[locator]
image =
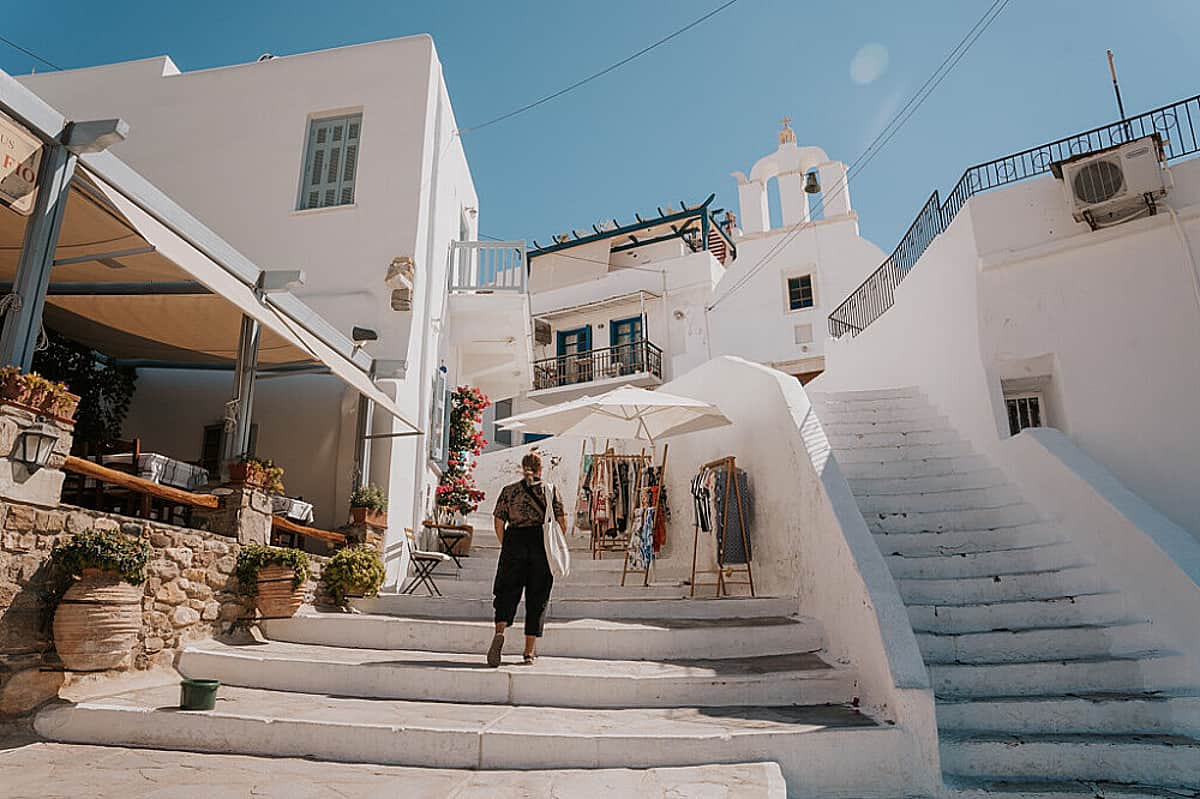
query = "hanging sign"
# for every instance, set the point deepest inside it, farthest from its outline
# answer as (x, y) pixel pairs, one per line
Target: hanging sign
(20, 157)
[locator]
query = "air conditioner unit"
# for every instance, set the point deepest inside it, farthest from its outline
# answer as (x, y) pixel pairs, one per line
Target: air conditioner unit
(1117, 184)
(541, 332)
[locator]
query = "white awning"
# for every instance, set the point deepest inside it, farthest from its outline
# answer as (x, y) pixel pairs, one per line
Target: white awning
(188, 327)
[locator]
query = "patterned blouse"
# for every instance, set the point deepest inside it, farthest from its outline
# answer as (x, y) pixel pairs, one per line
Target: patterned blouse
(519, 509)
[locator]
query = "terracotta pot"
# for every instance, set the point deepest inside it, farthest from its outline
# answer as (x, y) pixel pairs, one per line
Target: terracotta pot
(371, 518)
(13, 389)
(241, 474)
(97, 622)
(276, 597)
(64, 406)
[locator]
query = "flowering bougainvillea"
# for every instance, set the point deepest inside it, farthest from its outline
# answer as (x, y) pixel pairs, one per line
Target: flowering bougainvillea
(456, 491)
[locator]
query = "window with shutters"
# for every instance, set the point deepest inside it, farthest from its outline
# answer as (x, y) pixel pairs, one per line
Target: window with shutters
(330, 162)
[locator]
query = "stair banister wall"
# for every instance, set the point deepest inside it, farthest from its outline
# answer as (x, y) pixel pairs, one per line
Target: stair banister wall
(1152, 560)
(810, 541)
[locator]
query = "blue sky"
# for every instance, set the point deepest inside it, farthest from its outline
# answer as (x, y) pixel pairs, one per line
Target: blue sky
(672, 125)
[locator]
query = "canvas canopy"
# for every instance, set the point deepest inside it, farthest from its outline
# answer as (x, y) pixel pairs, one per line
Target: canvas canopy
(131, 287)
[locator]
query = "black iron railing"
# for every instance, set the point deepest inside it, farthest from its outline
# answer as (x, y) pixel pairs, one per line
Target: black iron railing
(1175, 123)
(623, 359)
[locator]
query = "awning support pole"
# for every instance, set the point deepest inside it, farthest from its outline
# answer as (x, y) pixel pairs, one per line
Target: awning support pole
(23, 319)
(237, 442)
(362, 441)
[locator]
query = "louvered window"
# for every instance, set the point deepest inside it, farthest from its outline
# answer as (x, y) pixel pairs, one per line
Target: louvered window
(330, 162)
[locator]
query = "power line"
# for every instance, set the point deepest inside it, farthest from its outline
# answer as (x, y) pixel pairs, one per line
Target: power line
(889, 131)
(601, 73)
(30, 53)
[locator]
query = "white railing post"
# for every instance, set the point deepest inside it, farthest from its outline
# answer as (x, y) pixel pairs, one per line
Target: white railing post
(488, 266)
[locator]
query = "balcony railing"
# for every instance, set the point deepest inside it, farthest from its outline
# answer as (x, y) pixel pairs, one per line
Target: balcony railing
(623, 359)
(484, 267)
(1175, 124)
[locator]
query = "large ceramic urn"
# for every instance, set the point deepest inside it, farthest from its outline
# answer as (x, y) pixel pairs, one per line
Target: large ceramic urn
(97, 622)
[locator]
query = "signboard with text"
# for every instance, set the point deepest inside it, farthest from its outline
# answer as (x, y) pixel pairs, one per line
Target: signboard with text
(20, 159)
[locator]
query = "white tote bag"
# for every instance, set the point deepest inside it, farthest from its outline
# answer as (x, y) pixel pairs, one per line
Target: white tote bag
(557, 554)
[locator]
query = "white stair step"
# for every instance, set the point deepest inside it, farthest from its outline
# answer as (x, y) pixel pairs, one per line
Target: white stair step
(929, 467)
(633, 589)
(1133, 714)
(861, 415)
(1089, 608)
(1046, 643)
(1125, 673)
(908, 486)
(903, 392)
(632, 608)
(961, 542)
(918, 521)
(1002, 588)
(958, 787)
(1164, 761)
(895, 438)
(799, 679)
(584, 638)
(986, 564)
(53, 769)
(823, 751)
(835, 404)
(929, 424)
(945, 500)
(903, 452)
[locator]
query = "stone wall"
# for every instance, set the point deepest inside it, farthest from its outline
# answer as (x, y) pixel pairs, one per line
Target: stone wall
(190, 593)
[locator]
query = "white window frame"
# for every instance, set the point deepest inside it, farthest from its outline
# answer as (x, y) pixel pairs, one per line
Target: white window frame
(787, 294)
(1016, 396)
(345, 181)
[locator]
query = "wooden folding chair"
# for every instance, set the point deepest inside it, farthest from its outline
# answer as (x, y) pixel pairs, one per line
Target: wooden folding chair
(128, 502)
(424, 563)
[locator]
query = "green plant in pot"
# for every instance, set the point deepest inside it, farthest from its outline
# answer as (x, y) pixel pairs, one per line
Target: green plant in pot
(353, 572)
(35, 392)
(368, 505)
(274, 576)
(99, 617)
(259, 473)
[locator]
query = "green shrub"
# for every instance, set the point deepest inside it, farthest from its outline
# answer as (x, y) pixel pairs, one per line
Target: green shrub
(109, 551)
(253, 557)
(353, 570)
(370, 497)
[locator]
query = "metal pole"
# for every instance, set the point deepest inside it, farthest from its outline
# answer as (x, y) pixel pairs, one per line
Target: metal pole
(1112, 70)
(237, 441)
(23, 320)
(362, 441)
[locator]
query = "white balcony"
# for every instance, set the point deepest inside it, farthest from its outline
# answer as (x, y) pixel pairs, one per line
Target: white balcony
(488, 316)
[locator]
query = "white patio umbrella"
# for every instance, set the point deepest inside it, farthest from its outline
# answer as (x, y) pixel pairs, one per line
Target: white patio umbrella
(626, 412)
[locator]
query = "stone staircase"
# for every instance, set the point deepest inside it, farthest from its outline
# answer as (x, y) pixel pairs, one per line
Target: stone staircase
(1045, 678)
(704, 698)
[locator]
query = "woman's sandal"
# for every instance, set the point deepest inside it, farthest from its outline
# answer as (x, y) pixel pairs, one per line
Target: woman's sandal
(493, 654)
(528, 660)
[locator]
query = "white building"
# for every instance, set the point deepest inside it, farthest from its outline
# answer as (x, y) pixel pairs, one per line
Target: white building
(345, 164)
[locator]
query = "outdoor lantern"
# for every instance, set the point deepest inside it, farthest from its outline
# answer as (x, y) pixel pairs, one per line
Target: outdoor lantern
(35, 445)
(811, 186)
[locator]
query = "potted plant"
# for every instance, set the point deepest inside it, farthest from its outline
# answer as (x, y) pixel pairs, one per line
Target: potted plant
(353, 572)
(35, 392)
(257, 473)
(274, 576)
(368, 505)
(98, 619)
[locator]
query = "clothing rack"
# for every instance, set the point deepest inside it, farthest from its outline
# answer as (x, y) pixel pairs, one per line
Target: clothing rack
(600, 543)
(656, 508)
(729, 464)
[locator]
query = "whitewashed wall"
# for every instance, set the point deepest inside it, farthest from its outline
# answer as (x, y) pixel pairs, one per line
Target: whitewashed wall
(754, 322)
(1015, 288)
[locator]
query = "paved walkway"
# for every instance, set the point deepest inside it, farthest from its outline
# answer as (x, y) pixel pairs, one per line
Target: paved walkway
(41, 770)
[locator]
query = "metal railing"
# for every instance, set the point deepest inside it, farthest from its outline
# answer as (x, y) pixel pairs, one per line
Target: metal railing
(637, 357)
(1175, 123)
(488, 266)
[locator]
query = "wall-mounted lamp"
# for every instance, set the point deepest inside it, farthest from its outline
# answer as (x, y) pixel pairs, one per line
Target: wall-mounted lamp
(472, 211)
(679, 314)
(361, 335)
(35, 445)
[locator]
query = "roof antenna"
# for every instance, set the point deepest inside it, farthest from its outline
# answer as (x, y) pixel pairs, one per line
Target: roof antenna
(1112, 70)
